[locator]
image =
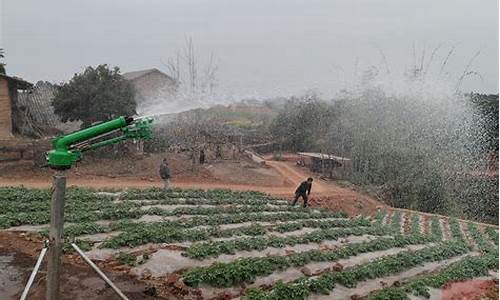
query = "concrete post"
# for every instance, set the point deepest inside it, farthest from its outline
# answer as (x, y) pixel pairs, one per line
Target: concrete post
(56, 237)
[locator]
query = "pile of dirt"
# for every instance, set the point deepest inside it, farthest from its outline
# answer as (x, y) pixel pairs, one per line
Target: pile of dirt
(471, 290)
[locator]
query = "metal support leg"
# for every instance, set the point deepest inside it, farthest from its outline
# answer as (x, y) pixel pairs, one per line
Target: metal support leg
(33, 273)
(99, 272)
(56, 237)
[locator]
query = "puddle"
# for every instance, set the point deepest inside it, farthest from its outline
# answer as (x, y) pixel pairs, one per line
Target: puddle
(10, 278)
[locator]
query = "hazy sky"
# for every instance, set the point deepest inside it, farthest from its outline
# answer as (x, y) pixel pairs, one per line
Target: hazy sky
(263, 47)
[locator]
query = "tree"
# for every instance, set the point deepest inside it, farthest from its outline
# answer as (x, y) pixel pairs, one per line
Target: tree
(97, 94)
(195, 78)
(300, 125)
(2, 65)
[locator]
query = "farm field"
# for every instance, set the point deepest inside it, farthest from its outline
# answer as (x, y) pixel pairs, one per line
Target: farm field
(220, 244)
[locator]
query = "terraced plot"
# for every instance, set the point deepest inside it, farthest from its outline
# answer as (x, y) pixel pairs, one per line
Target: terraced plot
(222, 244)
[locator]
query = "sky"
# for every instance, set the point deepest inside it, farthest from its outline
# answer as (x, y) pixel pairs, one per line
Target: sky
(262, 48)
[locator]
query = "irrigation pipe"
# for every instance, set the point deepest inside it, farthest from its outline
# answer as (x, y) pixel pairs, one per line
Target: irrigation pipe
(99, 272)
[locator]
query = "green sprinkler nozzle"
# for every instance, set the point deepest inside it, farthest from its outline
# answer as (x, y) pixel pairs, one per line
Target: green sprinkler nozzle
(67, 150)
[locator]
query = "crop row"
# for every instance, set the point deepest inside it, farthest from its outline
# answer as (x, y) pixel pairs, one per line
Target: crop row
(200, 210)
(143, 230)
(482, 244)
(467, 268)
(247, 269)
(415, 224)
(396, 221)
(214, 249)
(22, 198)
(492, 233)
(15, 195)
(379, 217)
(324, 224)
(349, 277)
(163, 233)
(157, 193)
(31, 206)
(116, 211)
(436, 228)
(456, 232)
(73, 204)
(214, 201)
(253, 217)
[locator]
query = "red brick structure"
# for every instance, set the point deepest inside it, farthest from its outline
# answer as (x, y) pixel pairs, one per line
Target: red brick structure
(9, 89)
(14, 148)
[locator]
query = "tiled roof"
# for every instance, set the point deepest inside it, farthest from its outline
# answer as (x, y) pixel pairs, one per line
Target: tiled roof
(140, 73)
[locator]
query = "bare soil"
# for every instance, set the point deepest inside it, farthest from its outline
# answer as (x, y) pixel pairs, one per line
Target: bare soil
(471, 290)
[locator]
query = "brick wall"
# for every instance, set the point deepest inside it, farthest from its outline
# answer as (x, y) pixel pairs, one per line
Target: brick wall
(15, 150)
(5, 110)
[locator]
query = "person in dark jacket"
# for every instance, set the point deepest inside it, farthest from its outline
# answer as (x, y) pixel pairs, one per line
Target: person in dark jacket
(303, 190)
(202, 156)
(165, 174)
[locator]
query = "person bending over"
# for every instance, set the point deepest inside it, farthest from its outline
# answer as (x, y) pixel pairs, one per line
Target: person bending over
(303, 190)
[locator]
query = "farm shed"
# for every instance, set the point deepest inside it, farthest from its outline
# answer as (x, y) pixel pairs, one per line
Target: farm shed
(10, 87)
(14, 93)
(334, 166)
(151, 86)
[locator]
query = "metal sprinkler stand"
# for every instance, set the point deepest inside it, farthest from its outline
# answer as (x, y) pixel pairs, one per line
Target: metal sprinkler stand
(56, 236)
(67, 151)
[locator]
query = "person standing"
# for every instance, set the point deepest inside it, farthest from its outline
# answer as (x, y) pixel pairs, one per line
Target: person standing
(165, 174)
(303, 190)
(202, 156)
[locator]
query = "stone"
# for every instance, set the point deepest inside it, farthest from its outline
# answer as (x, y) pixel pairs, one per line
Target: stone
(172, 279)
(337, 267)
(146, 274)
(306, 271)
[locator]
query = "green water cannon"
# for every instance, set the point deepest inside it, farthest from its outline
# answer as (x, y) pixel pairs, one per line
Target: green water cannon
(68, 149)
